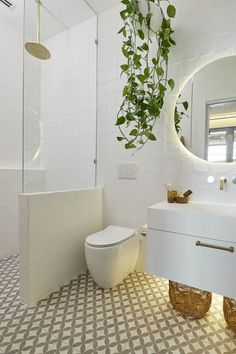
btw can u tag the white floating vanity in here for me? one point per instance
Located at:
(194, 244)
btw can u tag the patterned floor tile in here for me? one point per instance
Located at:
(133, 318)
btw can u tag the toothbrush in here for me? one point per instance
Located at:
(167, 187)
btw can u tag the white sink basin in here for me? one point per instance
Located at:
(228, 210)
(211, 220)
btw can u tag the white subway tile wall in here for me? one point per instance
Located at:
(10, 187)
(204, 31)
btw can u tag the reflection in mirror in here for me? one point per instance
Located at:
(205, 113)
(221, 145)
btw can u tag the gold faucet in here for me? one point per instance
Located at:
(223, 182)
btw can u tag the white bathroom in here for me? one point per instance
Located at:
(118, 176)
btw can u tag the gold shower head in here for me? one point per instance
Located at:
(36, 48)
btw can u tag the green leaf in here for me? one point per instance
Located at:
(171, 83)
(134, 132)
(154, 107)
(150, 135)
(120, 138)
(141, 78)
(154, 61)
(137, 58)
(124, 67)
(171, 11)
(159, 71)
(130, 145)
(125, 2)
(146, 72)
(121, 30)
(125, 90)
(123, 15)
(140, 18)
(129, 9)
(120, 120)
(148, 19)
(162, 88)
(185, 104)
(172, 41)
(130, 117)
(141, 34)
(125, 52)
(145, 46)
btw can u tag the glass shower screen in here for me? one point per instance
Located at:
(59, 133)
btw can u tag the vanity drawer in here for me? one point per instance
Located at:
(179, 258)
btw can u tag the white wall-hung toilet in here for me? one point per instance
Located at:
(111, 255)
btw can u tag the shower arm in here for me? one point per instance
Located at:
(38, 21)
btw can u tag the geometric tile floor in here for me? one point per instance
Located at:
(133, 318)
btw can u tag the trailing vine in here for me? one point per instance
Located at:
(146, 75)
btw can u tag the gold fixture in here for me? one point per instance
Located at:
(188, 301)
(36, 48)
(171, 196)
(228, 249)
(223, 182)
(229, 307)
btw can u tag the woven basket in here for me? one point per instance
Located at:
(229, 306)
(188, 301)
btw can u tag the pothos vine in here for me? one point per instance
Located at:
(146, 76)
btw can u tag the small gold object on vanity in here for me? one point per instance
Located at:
(229, 307)
(171, 196)
(181, 200)
(188, 301)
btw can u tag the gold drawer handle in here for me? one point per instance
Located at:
(228, 249)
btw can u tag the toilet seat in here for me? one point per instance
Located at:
(111, 236)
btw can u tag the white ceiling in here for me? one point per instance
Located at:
(103, 5)
(68, 13)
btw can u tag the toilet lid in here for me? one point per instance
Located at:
(111, 236)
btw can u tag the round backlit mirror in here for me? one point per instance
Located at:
(205, 112)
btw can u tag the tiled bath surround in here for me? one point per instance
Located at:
(53, 227)
(204, 31)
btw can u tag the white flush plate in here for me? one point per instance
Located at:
(128, 170)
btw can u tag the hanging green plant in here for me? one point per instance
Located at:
(147, 75)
